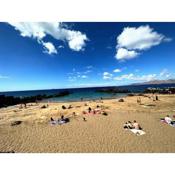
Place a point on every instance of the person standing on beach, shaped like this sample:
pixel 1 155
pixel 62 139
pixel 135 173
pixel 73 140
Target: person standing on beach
pixel 89 109
pixel 157 98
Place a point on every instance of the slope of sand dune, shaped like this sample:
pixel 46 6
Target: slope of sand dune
pixel 98 134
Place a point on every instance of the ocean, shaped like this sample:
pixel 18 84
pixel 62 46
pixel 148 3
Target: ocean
pixel 86 93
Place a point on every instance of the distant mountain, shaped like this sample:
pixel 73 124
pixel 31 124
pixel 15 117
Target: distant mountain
pixel 170 81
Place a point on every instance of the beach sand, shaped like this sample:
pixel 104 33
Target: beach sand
pixel 99 134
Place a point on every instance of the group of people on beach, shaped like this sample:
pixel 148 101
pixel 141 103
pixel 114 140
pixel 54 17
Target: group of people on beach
pixel 97 110
pixel 132 125
pixel 153 97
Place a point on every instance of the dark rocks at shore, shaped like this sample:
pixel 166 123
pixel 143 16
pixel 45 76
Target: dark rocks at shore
pixel 113 90
pixel 121 100
pixel 170 90
pixel 131 95
pixel 10 100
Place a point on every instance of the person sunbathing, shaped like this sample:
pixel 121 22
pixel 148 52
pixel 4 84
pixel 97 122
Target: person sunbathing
pixel 69 107
pixel 84 112
pixel 136 125
pixel 168 119
pixel 94 111
pixel 63 107
pixel 62 118
pixel 128 125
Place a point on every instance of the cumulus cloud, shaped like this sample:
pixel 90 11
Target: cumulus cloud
pixel 123 53
pixel 38 30
pixel 117 70
pixel 131 76
pixel 49 48
pixel 107 75
pixel 133 40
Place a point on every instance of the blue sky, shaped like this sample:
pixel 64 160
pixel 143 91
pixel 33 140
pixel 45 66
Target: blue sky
pixel 66 55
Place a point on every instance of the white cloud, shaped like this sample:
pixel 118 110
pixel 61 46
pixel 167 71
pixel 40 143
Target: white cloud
pixel 107 75
pixel 49 48
pixel 83 76
pixel 60 47
pixel 38 30
pixel 140 38
pixel 165 74
pixel 117 70
pixel 125 54
pixel 132 40
pixel 131 76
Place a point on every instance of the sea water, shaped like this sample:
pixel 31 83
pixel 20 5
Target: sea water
pixel 76 94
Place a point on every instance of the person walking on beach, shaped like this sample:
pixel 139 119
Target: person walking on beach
pixel 139 100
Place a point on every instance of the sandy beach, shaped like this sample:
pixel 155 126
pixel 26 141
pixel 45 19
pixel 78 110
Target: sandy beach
pixel 99 134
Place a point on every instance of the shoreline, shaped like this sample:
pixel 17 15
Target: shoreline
pixel 86 100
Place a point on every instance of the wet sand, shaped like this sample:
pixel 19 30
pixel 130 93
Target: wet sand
pixel 99 133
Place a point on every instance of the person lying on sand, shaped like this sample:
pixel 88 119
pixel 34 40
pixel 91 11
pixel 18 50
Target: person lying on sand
pixel 70 106
pixel 168 120
pixel 128 125
pixel 63 107
pixel 84 112
pixel 136 125
pixel 63 120
pixel 93 111
pixel 97 110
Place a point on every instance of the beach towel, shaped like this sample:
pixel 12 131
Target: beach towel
pixel 53 122
pixel 138 132
pixel 59 122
